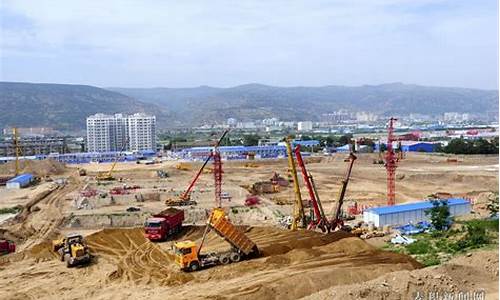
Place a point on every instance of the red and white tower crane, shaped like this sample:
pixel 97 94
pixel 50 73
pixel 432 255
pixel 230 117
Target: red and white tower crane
pixel 390 164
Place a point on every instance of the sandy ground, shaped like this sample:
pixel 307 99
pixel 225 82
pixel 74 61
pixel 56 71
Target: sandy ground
pixel 475 272
pixel 418 176
pixel 294 264
pixel 127 265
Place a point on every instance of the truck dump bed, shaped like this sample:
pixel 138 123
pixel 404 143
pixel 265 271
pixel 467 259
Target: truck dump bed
pixel 174 216
pixel 225 229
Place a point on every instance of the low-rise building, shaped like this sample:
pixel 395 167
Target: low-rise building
pixel 20 181
pixel 403 214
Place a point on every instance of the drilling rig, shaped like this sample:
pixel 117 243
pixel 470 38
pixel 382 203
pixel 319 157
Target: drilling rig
pixel 299 217
pixel 318 218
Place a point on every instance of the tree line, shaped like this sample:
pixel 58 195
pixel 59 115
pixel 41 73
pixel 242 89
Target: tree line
pixel 477 146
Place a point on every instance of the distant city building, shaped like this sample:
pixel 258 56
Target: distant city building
pixel 116 132
pixel 364 116
pixel 305 126
pixel 271 122
pixel 231 122
pixel 287 124
pixel 337 117
pixel 33 145
pixel 455 117
pixel 246 125
pixel 30 131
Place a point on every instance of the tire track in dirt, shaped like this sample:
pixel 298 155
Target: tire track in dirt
pixel 137 260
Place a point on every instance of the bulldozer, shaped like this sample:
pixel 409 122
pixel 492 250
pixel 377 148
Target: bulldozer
pixel 183 166
pixel 72 249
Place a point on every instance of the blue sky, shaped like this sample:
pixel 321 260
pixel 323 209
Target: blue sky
pixel 227 43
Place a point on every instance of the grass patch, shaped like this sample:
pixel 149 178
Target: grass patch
pixel 11 210
pixel 420 247
pixel 434 248
pixel 430 259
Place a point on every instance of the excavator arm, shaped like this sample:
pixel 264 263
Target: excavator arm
pixel 109 175
pixel 186 196
pixel 337 221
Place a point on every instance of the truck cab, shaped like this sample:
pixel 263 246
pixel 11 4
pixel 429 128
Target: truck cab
pixel 156 228
pixel 186 255
pixel 7 246
pixel 164 224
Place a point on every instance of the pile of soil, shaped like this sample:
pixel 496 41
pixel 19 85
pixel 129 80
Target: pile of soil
pixel 37 167
pixel 471 272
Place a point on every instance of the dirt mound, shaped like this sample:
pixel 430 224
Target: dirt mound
pixel 39 252
pixel 137 260
pixel 37 167
pixel 474 272
pixel 345 260
pixel 274 241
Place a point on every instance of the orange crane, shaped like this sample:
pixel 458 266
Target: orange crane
pixel 337 219
pixel 185 198
pixel 318 219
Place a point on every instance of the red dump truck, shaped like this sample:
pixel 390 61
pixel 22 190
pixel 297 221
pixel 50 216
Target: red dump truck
pixel 7 247
pixel 164 224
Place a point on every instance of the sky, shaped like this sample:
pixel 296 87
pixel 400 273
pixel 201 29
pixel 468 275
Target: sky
pixel 227 43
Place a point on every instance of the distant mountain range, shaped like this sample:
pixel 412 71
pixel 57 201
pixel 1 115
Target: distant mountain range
pixel 65 107
pixel 256 101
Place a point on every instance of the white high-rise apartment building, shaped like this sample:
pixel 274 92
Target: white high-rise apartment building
pixel 101 136
pixel 142 132
pixel 117 132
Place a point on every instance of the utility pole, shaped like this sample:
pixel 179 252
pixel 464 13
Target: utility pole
pixel 16 147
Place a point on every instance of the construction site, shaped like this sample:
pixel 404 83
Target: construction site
pixel 283 228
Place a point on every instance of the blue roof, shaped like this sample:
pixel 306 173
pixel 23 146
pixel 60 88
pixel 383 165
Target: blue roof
pixel 306 143
pixel 426 204
pixel 235 148
pixel 21 178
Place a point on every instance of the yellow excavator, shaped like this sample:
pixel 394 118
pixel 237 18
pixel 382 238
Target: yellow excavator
pixel 108 176
pixel 72 249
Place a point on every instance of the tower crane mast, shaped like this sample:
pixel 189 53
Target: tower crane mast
pixel 390 164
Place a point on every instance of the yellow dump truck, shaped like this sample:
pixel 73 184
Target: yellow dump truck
pixel 72 249
pixel 189 258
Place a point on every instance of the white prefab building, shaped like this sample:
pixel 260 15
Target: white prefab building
pixel 411 212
